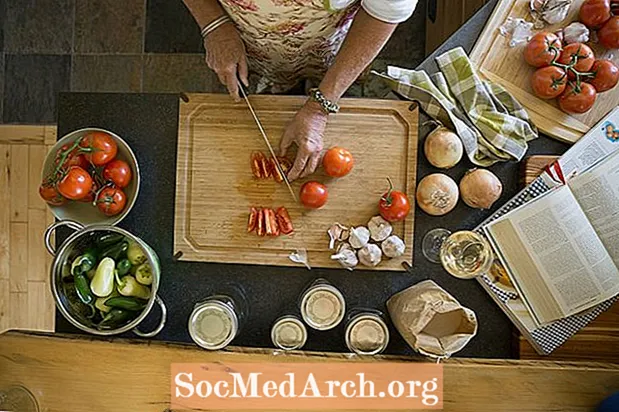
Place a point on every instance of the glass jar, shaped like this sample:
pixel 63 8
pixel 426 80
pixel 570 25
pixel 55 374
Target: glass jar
pixel 322 305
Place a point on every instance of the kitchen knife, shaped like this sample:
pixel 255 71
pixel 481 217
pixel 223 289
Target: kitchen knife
pixel 266 140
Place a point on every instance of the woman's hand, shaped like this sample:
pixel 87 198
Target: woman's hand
pixel 225 55
pixel 306 130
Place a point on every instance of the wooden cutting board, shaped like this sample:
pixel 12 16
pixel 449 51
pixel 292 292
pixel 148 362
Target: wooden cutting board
pixel 506 66
pixel 215 187
pixel 599 340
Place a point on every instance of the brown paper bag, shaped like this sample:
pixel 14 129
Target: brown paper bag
pixel 431 320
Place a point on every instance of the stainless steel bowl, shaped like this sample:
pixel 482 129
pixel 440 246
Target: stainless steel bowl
pixel 75 245
pixel 86 213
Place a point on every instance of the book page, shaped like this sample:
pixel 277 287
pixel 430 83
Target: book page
pixel 597 192
pixel 557 256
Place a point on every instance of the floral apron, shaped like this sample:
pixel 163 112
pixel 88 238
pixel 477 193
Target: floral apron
pixel 290 40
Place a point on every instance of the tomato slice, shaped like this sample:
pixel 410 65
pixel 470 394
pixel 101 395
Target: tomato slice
pixel 252 220
pixel 283 221
pixel 255 165
pixel 265 166
pixel 260 225
pixel 272 227
pixel 277 176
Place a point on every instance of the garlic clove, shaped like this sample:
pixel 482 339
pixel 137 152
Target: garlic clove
pixel 347 258
pixel 337 233
pixel 370 255
pixel 576 33
pixel 393 246
pixel 379 228
pixel 359 237
pixel 300 256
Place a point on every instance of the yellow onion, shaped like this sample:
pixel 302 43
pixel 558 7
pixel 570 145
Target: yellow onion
pixel 480 188
pixel 437 194
pixel 443 148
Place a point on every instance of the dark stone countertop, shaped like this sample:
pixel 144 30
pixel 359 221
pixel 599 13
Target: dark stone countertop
pixel 149 124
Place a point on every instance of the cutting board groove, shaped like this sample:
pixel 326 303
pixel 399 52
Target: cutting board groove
pixel 215 187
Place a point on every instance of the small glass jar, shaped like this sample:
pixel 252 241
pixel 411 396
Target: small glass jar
pixel 217 320
pixel 322 305
pixel 288 333
pixel 366 332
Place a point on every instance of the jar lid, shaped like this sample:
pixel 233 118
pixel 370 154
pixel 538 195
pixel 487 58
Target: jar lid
pixel 213 325
pixel 323 307
pixel 288 333
pixel 367 334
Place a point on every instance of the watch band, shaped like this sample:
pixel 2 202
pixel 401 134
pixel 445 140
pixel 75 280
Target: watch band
pixel 327 105
pixel 214 25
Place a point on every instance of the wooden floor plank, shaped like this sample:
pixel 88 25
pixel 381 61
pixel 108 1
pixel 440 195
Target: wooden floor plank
pixel 36 157
pixel 41 311
pixel 4 305
pixel 18 270
pixel 37 255
pixel 5 213
pixel 22 134
pixel 18 182
pixel 50 133
pixel 18 310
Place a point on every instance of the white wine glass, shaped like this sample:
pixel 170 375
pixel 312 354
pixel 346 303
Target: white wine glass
pixel 432 242
pixel 466 255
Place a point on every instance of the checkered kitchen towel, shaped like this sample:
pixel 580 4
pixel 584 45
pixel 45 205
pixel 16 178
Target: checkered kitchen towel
pixel 492 124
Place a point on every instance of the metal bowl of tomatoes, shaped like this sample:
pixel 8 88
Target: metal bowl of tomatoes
pixel 90 176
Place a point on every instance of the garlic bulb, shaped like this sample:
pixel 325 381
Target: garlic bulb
pixel 359 237
pixel 370 255
pixel 549 11
pixel 337 233
pixel 393 246
pixel 347 258
pixel 576 33
pixel 379 228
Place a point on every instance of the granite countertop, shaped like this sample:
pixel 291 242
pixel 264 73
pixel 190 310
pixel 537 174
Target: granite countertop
pixel 149 124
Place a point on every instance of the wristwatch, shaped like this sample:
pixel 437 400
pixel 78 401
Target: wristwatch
pixel 327 105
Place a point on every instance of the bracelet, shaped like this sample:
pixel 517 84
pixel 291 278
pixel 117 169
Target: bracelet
pixel 214 25
pixel 327 105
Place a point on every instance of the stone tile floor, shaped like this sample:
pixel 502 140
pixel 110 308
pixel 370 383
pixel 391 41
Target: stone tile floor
pixel 49 46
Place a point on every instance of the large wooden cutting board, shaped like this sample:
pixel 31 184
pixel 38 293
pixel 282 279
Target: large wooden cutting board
pixel 506 66
pixel 215 187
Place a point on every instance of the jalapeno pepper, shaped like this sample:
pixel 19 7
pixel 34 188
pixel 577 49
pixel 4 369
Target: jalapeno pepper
pixel 123 267
pixel 115 318
pixel 108 239
pixel 83 263
pixel 82 287
pixel 115 251
pixel 126 303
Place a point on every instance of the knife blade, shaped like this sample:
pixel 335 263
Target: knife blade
pixel 266 140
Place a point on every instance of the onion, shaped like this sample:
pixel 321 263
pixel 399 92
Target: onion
pixel 480 188
pixel 437 194
pixel 443 148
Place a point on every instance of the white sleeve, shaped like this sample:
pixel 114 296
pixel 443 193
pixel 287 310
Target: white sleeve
pixel 390 11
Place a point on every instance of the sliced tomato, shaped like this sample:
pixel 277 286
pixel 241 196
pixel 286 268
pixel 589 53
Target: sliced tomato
pixel 272 228
pixel 283 221
pixel 277 176
pixel 265 167
pixel 252 220
pixel 255 165
pixel 260 224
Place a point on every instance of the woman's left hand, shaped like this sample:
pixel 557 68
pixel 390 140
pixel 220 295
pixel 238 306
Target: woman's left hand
pixel 306 130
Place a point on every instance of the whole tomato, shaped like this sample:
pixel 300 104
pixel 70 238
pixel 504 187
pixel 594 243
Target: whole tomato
pixel 117 171
pixel 71 159
pixel 579 56
pixel 75 184
pixel 338 162
pixel 543 49
pixel 111 201
pixel 594 13
pixel 606 75
pixel 50 194
pixel 314 195
pixel 577 99
pixel 394 205
pixel 609 33
pixel 91 195
pixel 100 148
pixel 549 82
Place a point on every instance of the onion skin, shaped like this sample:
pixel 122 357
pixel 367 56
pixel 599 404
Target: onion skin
pixel 437 194
pixel 480 188
pixel 443 148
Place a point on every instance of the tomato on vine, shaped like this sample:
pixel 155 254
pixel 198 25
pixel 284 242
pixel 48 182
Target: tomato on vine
pixel 111 201
pixel 577 98
pixel 549 82
pixel 99 148
pixel 543 49
pixel 394 205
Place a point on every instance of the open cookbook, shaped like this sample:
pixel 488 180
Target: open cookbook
pixel 561 250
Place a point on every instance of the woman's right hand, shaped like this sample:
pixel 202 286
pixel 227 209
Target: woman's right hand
pixel 225 55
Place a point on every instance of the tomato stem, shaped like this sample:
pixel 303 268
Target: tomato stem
pixel 388 199
pixel 64 154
